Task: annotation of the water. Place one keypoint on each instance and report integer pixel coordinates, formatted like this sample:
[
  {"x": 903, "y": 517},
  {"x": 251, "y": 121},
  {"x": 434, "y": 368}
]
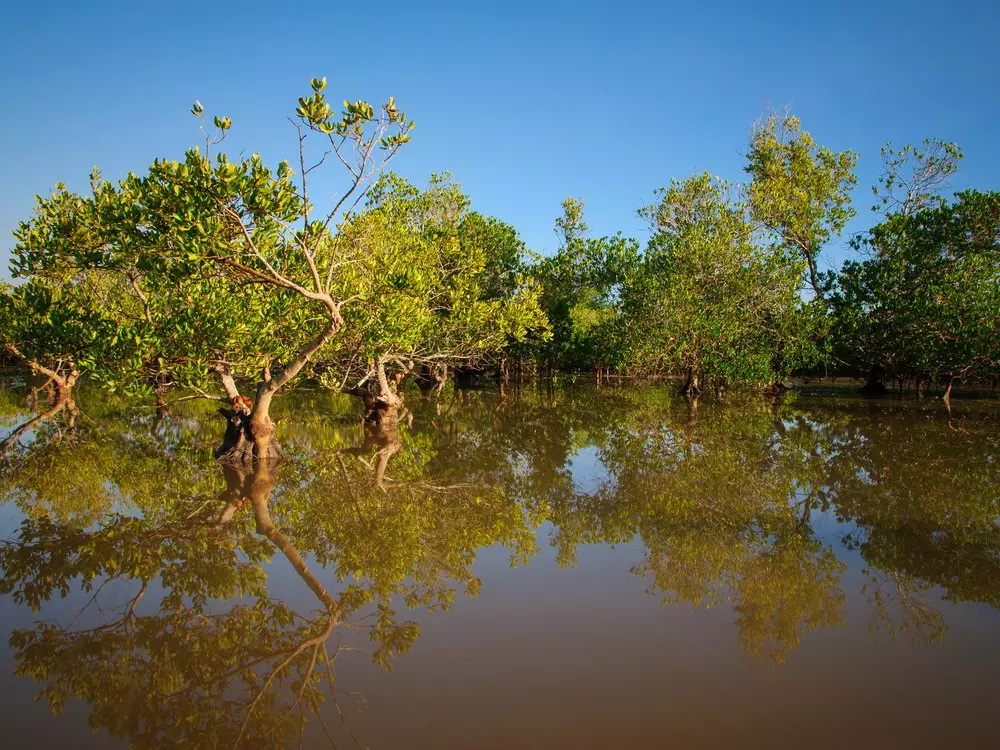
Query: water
[{"x": 563, "y": 568}]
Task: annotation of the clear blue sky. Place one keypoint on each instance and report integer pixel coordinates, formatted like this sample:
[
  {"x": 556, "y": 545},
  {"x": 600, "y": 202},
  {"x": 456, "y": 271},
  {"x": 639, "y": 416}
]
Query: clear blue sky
[{"x": 525, "y": 103}]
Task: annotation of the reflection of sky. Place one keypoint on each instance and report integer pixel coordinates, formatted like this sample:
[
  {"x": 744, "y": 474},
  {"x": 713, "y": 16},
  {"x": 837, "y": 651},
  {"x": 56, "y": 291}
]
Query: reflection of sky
[{"x": 587, "y": 470}]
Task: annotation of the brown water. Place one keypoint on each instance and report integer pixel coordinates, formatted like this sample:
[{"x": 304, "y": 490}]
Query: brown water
[{"x": 565, "y": 568}]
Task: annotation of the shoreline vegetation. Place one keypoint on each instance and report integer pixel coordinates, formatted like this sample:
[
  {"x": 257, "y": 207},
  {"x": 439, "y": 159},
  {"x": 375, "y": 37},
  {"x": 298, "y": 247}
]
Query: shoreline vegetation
[{"x": 224, "y": 279}]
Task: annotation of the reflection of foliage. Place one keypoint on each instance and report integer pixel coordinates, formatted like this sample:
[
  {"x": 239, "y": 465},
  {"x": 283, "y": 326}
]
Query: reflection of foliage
[
  {"x": 922, "y": 495},
  {"x": 166, "y": 680},
  {"x": 76, "y": 470},
  {"x": 899, "y": 608},
  {"x": 217, "y": 658},
  {"x": 724, "y": 496},
  {"x": 708, "y": 493}
]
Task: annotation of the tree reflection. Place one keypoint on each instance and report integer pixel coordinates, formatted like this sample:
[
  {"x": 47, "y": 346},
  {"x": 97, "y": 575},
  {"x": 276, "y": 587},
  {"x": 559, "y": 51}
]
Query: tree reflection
[
  {"x": 707, "y": 489},
  {"x": 183, "y": 638},
  {"x": 922, "y": 496},
  {"x": 215, "y": 657}
]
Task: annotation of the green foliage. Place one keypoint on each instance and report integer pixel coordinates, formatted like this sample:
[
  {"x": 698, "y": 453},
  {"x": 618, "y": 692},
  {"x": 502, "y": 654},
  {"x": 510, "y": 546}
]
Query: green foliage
[
  {"x": 927, "y": 301},
  {"x": 53, "y": 326},
  {"x": 580, "y": 285},
  {"x": 428, "y": 281},
  {"x": 209, "y": 264},
  {"x": 206, "y": 261},
  {"x": 707, "y": 299},
  {"x": 799, "y": 191}
]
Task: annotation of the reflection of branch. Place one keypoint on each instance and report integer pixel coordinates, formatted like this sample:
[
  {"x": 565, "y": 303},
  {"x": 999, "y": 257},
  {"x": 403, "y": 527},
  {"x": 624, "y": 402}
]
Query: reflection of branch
[
  {"x": 266, "y": 527},
  {"x": 916, "y": 613},
  {"x": 63, "y": 403},
  {"x": 123, "y": 620},
  {"x": 257, "y": 487},
  {"x": 314, "y": 641}
]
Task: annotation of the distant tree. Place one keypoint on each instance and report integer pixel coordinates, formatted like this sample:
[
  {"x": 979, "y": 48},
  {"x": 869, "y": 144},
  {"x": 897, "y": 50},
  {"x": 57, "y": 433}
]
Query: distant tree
[{"x": 580, "y": 284}]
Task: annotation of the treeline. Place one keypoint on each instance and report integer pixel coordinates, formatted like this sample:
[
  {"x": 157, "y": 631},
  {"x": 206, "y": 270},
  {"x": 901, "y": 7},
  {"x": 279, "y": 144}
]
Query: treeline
[
  {"x": 212, "y": 272},
  {"x": 729, "y": 287}
]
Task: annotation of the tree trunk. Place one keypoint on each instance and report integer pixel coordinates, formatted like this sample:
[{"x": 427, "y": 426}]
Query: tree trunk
[
  {"x": 64, "y": 376},
  {"x": 691, "y": 385},
  {"x": 384, "y": 405},
  {"x": 431, "y": 380},
  {"x": 249, "y": 430},
  {"x": 249, "y": 436},
  {"x": 947, "y": 393}
]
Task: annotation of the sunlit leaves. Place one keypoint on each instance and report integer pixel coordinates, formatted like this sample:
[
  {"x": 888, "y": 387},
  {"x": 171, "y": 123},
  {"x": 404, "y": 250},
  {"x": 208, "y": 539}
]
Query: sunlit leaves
[
  {"x": 925, "y": 303},
  {"x": 707, "y": 298},
  {"x": 799, "y": 190}
]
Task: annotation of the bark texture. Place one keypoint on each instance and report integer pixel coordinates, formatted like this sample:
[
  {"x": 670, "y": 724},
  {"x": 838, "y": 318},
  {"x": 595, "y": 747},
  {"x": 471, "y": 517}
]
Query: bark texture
[{"x": 381, "y": 395}]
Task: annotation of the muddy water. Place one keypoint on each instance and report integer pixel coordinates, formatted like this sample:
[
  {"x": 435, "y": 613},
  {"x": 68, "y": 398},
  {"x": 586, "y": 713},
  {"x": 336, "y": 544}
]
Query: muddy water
[{"x": 563, "y": 568}]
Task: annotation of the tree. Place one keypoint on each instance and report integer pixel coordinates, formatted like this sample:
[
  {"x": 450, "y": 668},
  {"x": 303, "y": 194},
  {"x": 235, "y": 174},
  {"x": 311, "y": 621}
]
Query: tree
[
  {"x": 925, "y": 304},
  {"x": 53, "y": 329},
  {"x": 920, "y": 304},
  {"x": 580, "y": 285},
  {"x": 243, "y": 241},
  {"x": 914, "y": 177},
  {"x": 706, "y": 300},
  {"x": 799, "y": 191},
  {"x": 424, "y": 291}
]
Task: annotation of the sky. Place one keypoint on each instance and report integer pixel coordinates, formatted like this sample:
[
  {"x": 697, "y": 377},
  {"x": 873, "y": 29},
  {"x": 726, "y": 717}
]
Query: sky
[{"x": 524, "y": 102}]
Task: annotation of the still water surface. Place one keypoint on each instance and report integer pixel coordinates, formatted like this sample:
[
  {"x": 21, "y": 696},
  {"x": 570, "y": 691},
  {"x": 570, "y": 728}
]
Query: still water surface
[{"x": 563, "y": 568}]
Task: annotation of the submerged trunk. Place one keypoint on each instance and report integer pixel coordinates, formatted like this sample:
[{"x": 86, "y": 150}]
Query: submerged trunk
[
  {"x": 382, "y": 399},
  {"x": 249, "y": 435},
  {"x": 873, "y": 382},
  {"x": 249, "y": 430},
  {"x": 692, "y": 383},
  {"x": 62, "y": 375},
  {"x": 431, "y": 380}
]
